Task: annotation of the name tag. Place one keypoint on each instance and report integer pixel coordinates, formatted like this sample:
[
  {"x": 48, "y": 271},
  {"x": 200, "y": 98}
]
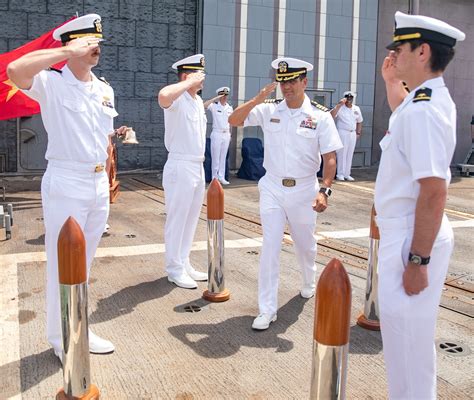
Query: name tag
[{"x": 275, "y": 120}]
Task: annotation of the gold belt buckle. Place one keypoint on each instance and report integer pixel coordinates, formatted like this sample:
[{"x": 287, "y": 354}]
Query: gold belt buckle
[
  {"x": 287, "y": 182},
  {"x": 99, "y": 168}
]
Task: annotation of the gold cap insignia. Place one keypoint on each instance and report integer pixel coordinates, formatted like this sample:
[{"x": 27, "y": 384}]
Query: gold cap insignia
[
  {"x": 282, "y": 66},
  {"x": 98, "y": 25}
]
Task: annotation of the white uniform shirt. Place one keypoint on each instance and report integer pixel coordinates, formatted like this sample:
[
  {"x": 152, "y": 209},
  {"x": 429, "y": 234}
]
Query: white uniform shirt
[
  {"x": 294, "y": 142},
  {"x": 347, "y": 118},
  {"x": 419, "y": 144},
  {"x": 220, "y": 115},
  {"x": 78, "y": 116},
  {"x": 185, "y": 126}
]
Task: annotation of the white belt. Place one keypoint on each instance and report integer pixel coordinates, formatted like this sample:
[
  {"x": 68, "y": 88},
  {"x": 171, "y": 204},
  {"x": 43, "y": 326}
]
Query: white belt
[
  {"x": 290, "y": 182},
  {"x": 185, "y": 157},
  {"x": 406, "y": 222},
  {"x": 346, "y": 130},
  {"x": 222, "y": 130},
  {"x": 78, "y": 166}
]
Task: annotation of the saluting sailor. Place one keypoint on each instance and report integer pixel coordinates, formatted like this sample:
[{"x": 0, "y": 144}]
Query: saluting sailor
[
  {"x": 220, "y": 135},
  {"x": 183, "y": 174},
  {"x": 296, "y": 132},
  {"x": 77, "y": 110},
  {"x": 416, "y": 239},
  {"x": 348, "y": 119}
]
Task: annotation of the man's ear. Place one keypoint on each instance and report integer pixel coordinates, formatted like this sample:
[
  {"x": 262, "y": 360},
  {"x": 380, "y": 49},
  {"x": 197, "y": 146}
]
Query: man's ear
[{"x": 424, "y": 51}]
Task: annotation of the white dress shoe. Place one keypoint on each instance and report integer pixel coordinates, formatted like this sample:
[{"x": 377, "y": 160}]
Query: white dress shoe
[
  {"x": 349, "y": 178},
  {"x": 307, "y": 293},
  {"x": 183, "y": 281},
  {"x": 263, "y": 321},
  {"x": 196, "y": 275},
  {"x": 97, "y": 345},
  {"x": 223, "y": 181},
  {"x": 339, "y": 178}
]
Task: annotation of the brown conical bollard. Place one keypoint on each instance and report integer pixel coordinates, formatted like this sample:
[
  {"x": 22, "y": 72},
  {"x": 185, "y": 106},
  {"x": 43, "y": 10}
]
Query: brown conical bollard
[
  {"x": 75, "y": 333},
  {"x": 369, "y": 319},
  {"x": 216, "y": 290},
  {"x": 331, "y": 333}
]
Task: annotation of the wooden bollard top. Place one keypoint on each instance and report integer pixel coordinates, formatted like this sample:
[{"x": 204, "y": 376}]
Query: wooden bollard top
[
  {"x": 333, "y": 306},
  {"x": 374, "y": 229},
  {"x": 215, "y": 200},
  {"x": 71, "y": 254}
]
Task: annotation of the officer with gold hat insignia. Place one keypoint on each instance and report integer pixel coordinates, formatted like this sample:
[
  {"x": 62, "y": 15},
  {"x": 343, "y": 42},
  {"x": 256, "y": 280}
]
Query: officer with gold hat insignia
[
  {"x": 410, "y": 195},
  {"x": 77, "y": 110},
  {"x": 220, "y": 135},
  {"x": 296, "y": 132},
  {"x": 183, "y": 174}
]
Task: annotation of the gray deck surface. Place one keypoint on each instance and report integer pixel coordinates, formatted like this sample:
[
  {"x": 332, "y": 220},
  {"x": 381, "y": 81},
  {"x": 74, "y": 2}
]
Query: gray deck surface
[{"x": 163, "y": 352}]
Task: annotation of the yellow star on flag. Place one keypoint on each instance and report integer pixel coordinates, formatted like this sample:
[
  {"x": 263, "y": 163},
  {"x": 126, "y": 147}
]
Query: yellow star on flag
[{"x": 13, "y": 89}]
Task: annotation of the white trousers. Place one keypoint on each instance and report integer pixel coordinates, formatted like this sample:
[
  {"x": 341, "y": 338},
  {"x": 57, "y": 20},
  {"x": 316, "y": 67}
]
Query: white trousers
[
  {"x": 183, "y": 182},
  {"x": 219, "y": 147},
  {"x": 279, "y": 205},
  {"x": 344, "y": 155},
  {"x": 408, "y": 323},
  {"x": 85, "y": 197}
]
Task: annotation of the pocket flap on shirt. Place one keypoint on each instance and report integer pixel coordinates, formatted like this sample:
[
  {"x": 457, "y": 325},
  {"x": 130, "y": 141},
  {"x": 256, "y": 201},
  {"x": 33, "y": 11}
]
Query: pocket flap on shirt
[{"x": 74, "y": 105}]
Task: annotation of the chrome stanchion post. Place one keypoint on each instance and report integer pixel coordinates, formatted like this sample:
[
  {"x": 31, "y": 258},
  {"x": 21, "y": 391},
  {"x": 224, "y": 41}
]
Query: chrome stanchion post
[
  {"x": 216, "y": 290},
  {"x": 369, "y": 319},
  {"x": 331, "y": 333},
  {"x": 74, "y": 320}
]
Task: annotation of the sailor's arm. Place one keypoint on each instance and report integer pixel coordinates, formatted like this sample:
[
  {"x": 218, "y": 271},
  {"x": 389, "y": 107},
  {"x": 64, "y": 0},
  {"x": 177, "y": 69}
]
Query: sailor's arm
[
  {"x": 237, "y": 118},
  {"x": 23, "y": 70}
]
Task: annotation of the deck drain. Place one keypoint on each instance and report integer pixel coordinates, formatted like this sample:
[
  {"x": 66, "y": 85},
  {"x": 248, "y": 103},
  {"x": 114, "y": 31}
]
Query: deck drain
[
  {"x": 130, "y": 235},
  {"x": 193, "y": 308},
  {"x": 452, "y": 348},
  {"x": 326, "y": 223},
  {"x": 252, "y": 252}
]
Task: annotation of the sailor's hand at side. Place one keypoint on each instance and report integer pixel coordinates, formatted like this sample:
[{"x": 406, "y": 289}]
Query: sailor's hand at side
[
  {"x": 320, "y": 203},
  {"x": 81, "y": 46},
  {"x": 265, "y": 92}
]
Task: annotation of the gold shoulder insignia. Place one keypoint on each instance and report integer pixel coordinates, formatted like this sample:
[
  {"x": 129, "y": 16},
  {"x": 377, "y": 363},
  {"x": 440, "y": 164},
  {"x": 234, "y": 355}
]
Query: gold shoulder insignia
[
  {"x": 319, "y": 106},
  {"x": 103, "y": 80},
  {"x": 273, "y": 101},
  {"x": 423, "y": 94},
  {"x": 55, "y": 70}
]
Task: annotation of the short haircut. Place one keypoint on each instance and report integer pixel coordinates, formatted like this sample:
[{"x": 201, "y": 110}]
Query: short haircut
[{"x": 441, "y": 54}]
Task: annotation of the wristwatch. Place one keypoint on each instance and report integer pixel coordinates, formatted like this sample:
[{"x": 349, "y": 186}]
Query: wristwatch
[
  {"x": 326, "y": 191},
  {"x": 418, "y": 260}
]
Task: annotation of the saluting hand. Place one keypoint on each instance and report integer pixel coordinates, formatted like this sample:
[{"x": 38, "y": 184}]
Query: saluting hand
[
  {"x": 342, "y": 101},
  {"x": 388, "y": 68},
  {"x": 81, "y": 46},
  {"x": 265, "y": 92},
  {"x": 196, "y": 79},
  {"x": 320, "y": 203}
]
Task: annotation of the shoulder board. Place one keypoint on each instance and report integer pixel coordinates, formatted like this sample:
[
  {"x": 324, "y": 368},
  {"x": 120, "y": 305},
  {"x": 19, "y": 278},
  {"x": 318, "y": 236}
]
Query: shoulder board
[
  {"x": 103, "y": 80},
  {"x": 55, "y": 70},
  {"x": 423, "y": 94},
  {"x": 268, "y": 101},
  {"x": 319, "y": 106}
]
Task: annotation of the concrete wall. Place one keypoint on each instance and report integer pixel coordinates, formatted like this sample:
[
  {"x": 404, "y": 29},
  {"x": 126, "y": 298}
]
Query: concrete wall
[
  {"x": 241, "y": 38},
  {"x": 144, "y": 38},
  {"x": 459, "y": 75}
]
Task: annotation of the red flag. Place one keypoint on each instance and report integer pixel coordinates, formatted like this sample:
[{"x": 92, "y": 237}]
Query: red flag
[{"x": 13, "y": 102}]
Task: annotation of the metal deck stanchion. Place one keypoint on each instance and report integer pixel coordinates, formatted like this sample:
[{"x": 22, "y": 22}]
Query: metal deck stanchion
[
  {"x": 216, "y": 290},
  {"x": 74, "y": 323},
  {"x": 331, "y": 333}
]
